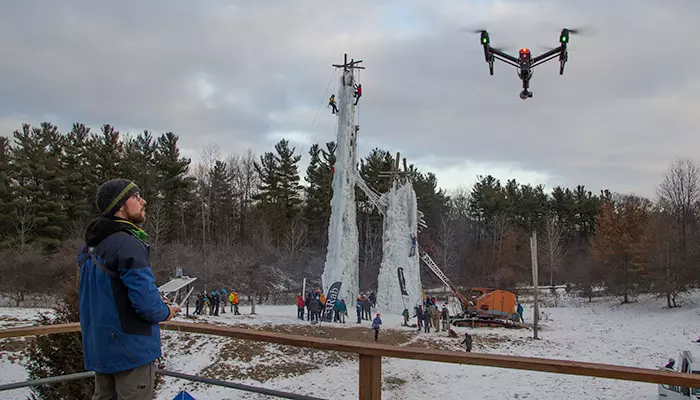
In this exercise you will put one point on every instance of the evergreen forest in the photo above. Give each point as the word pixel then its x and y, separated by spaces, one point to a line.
pixel 258 224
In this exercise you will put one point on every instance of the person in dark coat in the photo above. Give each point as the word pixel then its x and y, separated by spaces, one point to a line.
pixel 426 319
pixel 358 309
pixel 216 301
pixel 366 308
pixel 372 300
pixel 419 317
pixel 307 302
pixel 467 342
pixel 120 306
pixel 314 310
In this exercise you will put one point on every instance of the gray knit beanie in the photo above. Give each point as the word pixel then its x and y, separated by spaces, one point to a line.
pixel 112 195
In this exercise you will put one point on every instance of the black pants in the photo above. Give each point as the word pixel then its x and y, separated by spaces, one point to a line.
pixel 335 108
pixel 300 312
pixel 376 334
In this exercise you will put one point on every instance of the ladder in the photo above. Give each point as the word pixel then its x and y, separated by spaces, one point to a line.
pixel 371 194
pixel 441 275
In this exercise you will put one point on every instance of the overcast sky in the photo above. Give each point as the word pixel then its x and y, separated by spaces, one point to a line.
pixel 243 74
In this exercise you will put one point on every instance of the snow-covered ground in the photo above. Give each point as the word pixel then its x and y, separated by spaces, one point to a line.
pixel 641 334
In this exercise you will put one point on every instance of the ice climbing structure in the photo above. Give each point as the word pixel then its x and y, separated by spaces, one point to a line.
pixel 399 275
pixel 342 257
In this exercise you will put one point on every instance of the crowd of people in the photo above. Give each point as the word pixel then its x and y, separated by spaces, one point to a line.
pixel 214 302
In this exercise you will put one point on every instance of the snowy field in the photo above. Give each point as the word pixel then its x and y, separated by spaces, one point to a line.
pixel 642 334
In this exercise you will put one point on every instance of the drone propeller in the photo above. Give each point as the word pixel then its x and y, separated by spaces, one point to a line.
pixel 581 31
pixel 502 49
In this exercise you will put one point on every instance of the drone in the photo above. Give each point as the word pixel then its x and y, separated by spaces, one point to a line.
pixel 525 62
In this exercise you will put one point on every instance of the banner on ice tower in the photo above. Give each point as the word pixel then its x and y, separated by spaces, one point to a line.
pixel 402 282
pixel 331 298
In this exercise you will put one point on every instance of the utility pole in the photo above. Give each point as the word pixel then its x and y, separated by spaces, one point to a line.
pixel 346 66
pixel 535 283
pixel 395 171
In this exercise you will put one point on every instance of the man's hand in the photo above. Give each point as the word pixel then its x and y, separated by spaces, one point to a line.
pixel 173 312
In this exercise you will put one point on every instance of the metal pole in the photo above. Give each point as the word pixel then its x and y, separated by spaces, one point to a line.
pixel 535 283
pixel 49 380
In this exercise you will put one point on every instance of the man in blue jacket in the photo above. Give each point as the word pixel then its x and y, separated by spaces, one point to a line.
pixel 120 306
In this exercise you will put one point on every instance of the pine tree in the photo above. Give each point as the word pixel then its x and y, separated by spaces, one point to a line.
pixel 289 189
pixel 173 185
pixel 279 188
pixel 38 171
pixel 222 205
pixel 80 182
pixel 6 194
pixel 107 154
pixel 268 186
pixel 319 176
pixel 139 164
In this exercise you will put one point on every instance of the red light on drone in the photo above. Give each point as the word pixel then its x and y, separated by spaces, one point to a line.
pixel 524 50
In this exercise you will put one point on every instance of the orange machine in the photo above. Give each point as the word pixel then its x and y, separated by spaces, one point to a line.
pixel 493 301
pixel 488 307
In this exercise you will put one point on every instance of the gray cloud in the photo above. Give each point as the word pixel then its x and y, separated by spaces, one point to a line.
pixel 241 74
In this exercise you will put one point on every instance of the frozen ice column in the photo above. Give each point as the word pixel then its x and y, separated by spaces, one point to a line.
pixel 400 222
pixel 342 257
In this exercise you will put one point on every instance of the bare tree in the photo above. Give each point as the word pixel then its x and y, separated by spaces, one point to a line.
pixel 210 155
pixel 372 251
pixel 459 202
pixel 295 236
pixel 23 222
pixel 158 223
pixel 679 194
pixel 553 245
pixel 21 273
pixel 447 240
pixel 245 182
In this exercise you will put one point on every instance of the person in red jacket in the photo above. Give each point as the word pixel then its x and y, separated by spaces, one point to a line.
pixel 300 306
pixel 358 93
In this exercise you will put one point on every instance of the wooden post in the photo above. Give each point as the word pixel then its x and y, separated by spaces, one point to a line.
pixel 535 283
pixel 370 377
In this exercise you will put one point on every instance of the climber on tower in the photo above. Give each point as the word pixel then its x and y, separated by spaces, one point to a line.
pixel 358 93
pixel 414 243
pixel 331 103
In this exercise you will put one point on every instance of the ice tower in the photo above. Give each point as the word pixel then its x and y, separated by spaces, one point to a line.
pixel 342 258
pixel 399 275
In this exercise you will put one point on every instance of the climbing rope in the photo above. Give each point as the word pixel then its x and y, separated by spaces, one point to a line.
pixel 318 111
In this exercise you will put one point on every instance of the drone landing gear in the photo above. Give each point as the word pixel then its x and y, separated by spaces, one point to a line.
pixel 526 94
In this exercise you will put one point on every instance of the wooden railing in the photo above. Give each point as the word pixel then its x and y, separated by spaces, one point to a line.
pixel 371 355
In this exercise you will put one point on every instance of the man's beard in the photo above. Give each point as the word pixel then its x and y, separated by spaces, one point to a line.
pixel 137 217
